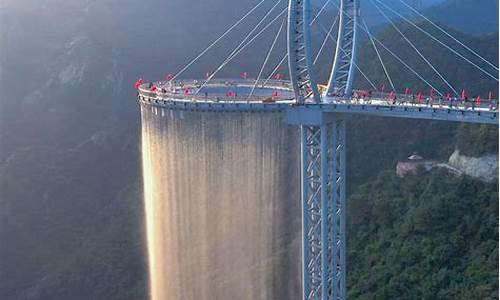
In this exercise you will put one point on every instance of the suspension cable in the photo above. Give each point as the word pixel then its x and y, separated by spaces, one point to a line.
pixel 355 65
pixel 379 57
pixel 438 41
pixel 398 59
pixel 319 12
pixel 238 51
pixel 415 48
pixel 218 39
pixel 255 27
pixel 326 39
pixel 245 39
pixel 366 77
pixel 267 58
pixel 404 63
pixel 276 68
pixel 449 35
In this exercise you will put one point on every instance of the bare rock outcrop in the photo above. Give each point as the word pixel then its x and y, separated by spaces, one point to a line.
pixel 484 167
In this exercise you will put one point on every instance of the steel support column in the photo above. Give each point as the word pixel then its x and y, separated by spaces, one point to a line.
pixel 323 214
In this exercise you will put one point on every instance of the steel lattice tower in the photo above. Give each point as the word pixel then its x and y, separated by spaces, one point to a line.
pixel 323 147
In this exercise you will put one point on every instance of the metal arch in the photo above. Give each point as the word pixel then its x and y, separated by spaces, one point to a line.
pixel 300 60
pixel 342 75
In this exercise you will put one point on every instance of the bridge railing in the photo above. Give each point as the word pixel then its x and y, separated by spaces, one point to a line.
pixel 194 83
pixel 189 90
pixel 412 99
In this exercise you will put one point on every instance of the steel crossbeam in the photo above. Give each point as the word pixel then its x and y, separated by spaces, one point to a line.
pixel 323 214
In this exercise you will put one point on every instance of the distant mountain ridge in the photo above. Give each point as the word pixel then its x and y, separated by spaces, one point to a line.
pixel 469 16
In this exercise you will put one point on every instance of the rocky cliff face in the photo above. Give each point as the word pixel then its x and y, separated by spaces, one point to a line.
pixel 485 167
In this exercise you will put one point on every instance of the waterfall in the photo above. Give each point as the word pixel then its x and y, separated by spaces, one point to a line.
pixel 222 204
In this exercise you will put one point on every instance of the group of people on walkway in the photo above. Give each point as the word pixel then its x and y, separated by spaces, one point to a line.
pixel 408 98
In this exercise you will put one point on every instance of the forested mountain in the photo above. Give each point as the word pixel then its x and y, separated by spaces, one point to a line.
pixel 430 235
pixel 70 190
pixel 426 236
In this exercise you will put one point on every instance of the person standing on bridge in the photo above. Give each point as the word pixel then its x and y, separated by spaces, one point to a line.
pixel 490 100
pixel 493 102
pixel 449 98
pixel 441 100
pixel 392 97
pixel 407 94
pixel 432 96
pixel 355 96
pixel 464 98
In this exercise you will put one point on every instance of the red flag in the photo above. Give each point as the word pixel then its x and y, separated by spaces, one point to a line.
pixel 420 97
pixel 230 93
pixel 244 75
pixel 478 100
pixel 407 91
pixel 276 94
pixel 277 76
pixel 186 92
pixel 170 77
pixel 138 83
pixel 363 94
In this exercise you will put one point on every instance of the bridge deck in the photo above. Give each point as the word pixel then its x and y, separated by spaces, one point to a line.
pixel 263 100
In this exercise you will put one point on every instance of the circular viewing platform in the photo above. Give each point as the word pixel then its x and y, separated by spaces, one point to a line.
pixel 218 95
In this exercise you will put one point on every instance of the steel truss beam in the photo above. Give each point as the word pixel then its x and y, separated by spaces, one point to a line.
pixel 342 75
pixel 324 210
pixel 300 60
